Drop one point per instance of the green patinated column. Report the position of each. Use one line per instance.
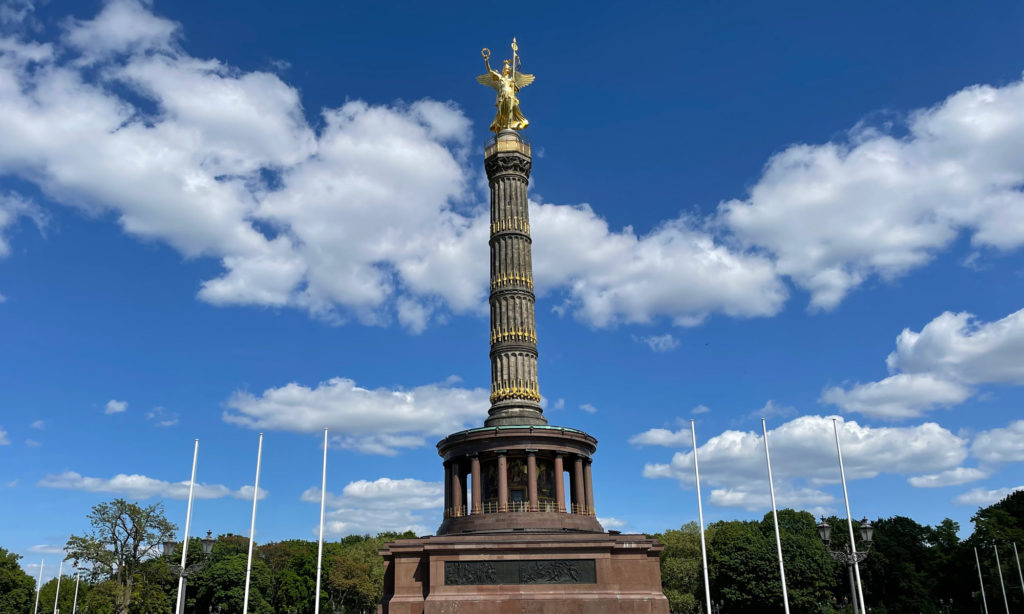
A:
(515, 392)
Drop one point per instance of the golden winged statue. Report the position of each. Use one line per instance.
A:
(507, 83)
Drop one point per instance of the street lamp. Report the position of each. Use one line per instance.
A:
(170, 546)
(867, 535)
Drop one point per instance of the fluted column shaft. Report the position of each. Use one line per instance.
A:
(515, 391)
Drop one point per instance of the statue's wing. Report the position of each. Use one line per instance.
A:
(523, 79)
(488, 80)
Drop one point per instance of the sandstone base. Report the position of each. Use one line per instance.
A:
(510, 573)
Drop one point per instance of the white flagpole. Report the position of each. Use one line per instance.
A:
(60, 570)
(981, 582)
(39, 585)
(74, 606)
(700, 514)
(775, 516)
(849, 520)
(188, 524)
(252, 525)
(1019, 573)
(320, 546)
(999, 568)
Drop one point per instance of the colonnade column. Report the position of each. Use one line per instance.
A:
(559, 483)
(579, 498)
(456, 488)
(588, 487)
(502, 482)
(474, 463)
(531, 479)
(447, 490)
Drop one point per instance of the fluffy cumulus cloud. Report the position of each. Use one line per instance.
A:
(368, 217)
(663, 437)
(142, 487)
(940, 366)
(804, 458)
(950, 477)
(1000, 445)
(380, 421)
(384, 504)
(878, 203)
(982, 497)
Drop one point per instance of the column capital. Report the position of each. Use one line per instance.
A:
(530, 452)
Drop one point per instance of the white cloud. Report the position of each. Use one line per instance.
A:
(11, 484)
(38, 424)
(384, 504)
(834, 215)
(4, 440)
(161, 417)
(611, 523)
(12, 207)
(142, 487)
(676, 270)
(804, 457)
(950, 477)
(958, 347)
(16, 11)
(588, 408)
(659, 343)
(115, 407)
(904, 395)
(754, 499)
(122, 26)
(374, 421)
(663, 437)
(358, 219)
(982, 497)
(772, 409)
(32, 443)
(46, 549)
(1000, 445)
(559, 404)
(940, 366)
(700, 409)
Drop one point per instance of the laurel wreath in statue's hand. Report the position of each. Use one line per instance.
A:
(485, 52)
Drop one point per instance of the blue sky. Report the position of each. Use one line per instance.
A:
(220, 218)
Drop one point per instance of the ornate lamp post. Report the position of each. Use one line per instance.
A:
(867, 534)
(171, 545)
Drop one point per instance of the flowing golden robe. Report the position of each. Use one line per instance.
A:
(508, 115)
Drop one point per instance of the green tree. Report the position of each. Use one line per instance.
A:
(48, 593)
(17, 588)
(123, 536)
(682, 578)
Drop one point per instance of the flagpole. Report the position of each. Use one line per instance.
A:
(39, 585)
(188, 524)
(74, 606)
(775, 516)
(700, 514)
(60, 570)
(849, 520)
(252, 526)
(999, 568)
(1019, 573)
(320, 546)
(981, 582)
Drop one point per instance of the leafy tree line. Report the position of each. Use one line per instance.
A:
(911, 568)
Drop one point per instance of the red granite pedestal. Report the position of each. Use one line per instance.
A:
(506, 573)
